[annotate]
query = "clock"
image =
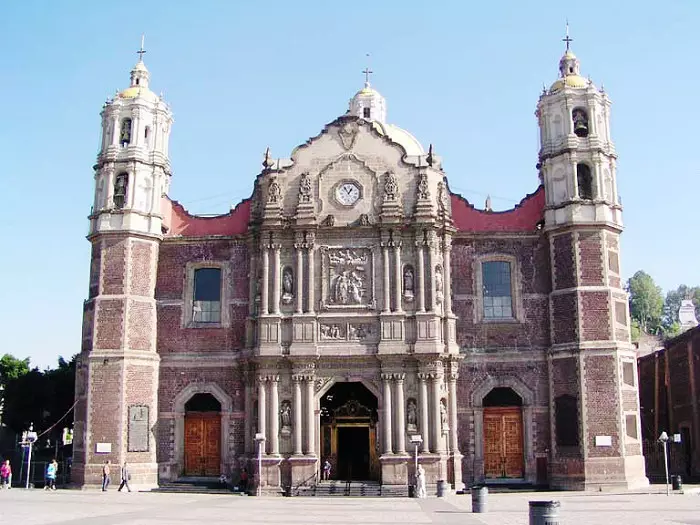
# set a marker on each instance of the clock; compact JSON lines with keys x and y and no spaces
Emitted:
{"x":347,"y":193}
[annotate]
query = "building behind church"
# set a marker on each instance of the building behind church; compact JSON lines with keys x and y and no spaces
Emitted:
{"x":354,"y":302}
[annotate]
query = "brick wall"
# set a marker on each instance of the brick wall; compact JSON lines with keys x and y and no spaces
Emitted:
{"x":564,"y":267}
{"x":590,"y":252}
{"x":564,"y":318}
{"x":110,"y":323}
{"x":140,"y":268}
{"x":602,"y":404}
{"x":595,"y":316}
{"x":114,"y":266}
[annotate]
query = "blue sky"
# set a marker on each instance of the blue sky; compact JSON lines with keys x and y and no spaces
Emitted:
{"x":242,"y":76}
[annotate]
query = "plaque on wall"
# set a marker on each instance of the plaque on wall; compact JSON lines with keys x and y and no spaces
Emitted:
{"x":138,"y":428}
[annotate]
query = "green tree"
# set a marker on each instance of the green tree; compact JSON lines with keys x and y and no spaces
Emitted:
{"x":673,"y":304}
{"x":646,"y":302}
{"x":12,"y":368}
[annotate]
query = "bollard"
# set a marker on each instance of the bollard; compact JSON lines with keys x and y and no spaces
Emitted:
{"x":479,"y":495}
{"x":544,"y":512}
{"x":677,"y":482}
{"x":443,"y":488}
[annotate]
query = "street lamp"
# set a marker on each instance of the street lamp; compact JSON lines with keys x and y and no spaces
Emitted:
{"x":260,"y":440}
{"x":663,"y":439}
{"x":416,"y":440}
{"x":28,"y":440}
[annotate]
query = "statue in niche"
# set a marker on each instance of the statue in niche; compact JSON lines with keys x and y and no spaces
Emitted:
{"x":412,"y":414}
{"x":305,"y":188}
{"x":287,"y":285}
{"x":408,"y":279}
{"x":286,"y":415}
{"x":438,"y":284}
{"x":391,"y":188}
{"x":364,"y":220}
{"x":423,"y":191}
{"x":329,"y":220}
{"x":442,"y":196}
{"x":274,"y":193}
{"x":443,"y":416}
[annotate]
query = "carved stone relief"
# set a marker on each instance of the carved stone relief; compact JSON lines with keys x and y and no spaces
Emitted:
{"x":347,"y":278}
{"x":347,"y":133}
{"x":423,"y":191}
{"x":391,"y":187}
{"x":305,"y":188}
{"x":274,"y":193}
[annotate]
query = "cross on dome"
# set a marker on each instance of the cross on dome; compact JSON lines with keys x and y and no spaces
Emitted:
{"x":567,"y":38}
{"x":141,"y":50}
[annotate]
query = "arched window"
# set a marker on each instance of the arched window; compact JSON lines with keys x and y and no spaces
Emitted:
{"x":366,"y":112}
{"x":566,"y":421}
{"x":125,"y":132}
{"x":585,"y":181}
{"x":580,"y":120}
{"x":121,"y":185}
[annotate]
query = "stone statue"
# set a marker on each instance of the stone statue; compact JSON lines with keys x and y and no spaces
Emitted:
{"x":287,"y":285}
{"x":412,"y":414}
{"x":286,"y":415}
{"x":423,"y":191}
{"x":391,"y":188}
{"x":420,"y":482}
{"x":408,"y":281}
{"x":274,"y":193}
{"x":443,"y":416}
{"x":438,"y":279}
{"x":305,"y":188}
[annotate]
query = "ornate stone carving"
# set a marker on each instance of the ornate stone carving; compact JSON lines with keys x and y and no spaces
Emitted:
{"x":274,"y":192}
{"x":329,"y":220}
{"x":364,"y":220}
{"x":332,"y":331}
{"x":423,"y":190}
{"x":305,"y":188}
{"x":391,"y":187}
{"x":286,"y":415}
{"x":359,"y":331}
{"x":347,"y":133}
{"x":287,"y":285}
{"x":443,"y":416}
{"x":442,"y":196}
{"x":411,"y":415}
{"x":347,"y":280}
{"x":408,"y":283}
{"x":438,"y":284}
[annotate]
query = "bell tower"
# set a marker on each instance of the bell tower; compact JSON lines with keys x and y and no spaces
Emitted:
{"x":594,"y":407}
{"x":117,"y":376}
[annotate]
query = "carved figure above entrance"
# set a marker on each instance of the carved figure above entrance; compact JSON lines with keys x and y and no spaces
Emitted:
{"x":347,"y":278}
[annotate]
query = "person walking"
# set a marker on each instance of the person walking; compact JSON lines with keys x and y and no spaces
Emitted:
{"x":6,"y":474}
{"x":51,"y":471}
{"x":125,"y":478}
{"x":105,"y":476}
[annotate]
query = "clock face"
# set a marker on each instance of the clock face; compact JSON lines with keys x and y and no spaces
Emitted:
{"x":347,"y":193}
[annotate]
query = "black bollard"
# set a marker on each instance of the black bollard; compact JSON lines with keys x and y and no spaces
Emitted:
{"x":479,"y":496}
{"x":544,"y":512}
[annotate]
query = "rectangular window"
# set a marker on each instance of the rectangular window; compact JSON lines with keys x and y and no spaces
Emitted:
{"x":498,"y":300}
{"x":628,"y":373}
{"x":366,"y":112}
{"x":206,"y":307}
{"x":631,"y":426}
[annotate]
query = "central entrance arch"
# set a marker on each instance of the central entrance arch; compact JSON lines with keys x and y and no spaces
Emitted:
{"x":349,"y":432}
{"x":202,"y":435}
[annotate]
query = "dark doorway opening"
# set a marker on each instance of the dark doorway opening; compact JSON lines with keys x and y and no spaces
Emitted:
{"x":353,"y":453}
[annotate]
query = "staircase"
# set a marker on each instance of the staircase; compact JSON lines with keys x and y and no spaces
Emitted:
{"x":195,"y":485}
{"x":355,"y":489}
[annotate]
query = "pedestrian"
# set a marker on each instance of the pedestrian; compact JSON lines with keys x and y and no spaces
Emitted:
{"x":244,"y":480}
{"x":6,"y":474}
{"x":326,"y":470}
{"x":51,"y":471}
{"x":105,"y":476}
{"x":125,"y":479}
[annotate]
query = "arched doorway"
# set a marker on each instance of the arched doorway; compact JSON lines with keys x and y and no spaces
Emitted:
{"x":349,"y":432}
{"x":202,"y":435}
{"x":503,"y":434}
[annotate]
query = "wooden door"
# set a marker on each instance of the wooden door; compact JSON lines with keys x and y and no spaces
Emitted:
{"x":503,"y":442}
{"x":202,"y":444}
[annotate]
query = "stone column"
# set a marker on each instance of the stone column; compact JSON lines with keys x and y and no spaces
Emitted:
{"x":299,"y":278}
{"x":109,"y":190}
{"x":452,"y":392}
{"x":274,"y":416}
{"x":420,"y":273}
{"x":117,"y":131}
{"x":424,"y":413}
{"x":447,"y":276}
{"x":386,"y":306}
{"x":437,"y":427}
{"x":432,"y":262}
{"x":400,"y":416}
{"x":265,"y":293}
{"x":262,"y":408}
{"x":399,"y":278}
{"x":310,"y":419}
{"x":386,"y":431}
{"x":312,"y":273}
{"x":276,"y":280}
{"x":297,"y":416}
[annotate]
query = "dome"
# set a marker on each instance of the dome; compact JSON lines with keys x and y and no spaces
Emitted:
{"x":400,"y":136}
{"x":572,"y":81}
{"x":138,"y":92}
{"x":569,"y":73}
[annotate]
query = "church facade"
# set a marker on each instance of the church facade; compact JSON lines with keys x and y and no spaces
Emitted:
{"x":355,"y":310}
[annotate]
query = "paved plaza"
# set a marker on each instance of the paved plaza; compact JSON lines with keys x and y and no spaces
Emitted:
{"x":36,"y":507}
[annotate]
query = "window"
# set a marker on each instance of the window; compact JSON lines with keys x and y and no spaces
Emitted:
{"x":580,"y":119}
{"x":585,"y":181}
{"x":566,"y":421}
{"x":206,"y":306}
{"x":366,"y":112}
{"x":628,"y":373}
{"x":498,"y":299}
{"x":631,"y":426}
{"x":125,"y":132}
{"x":121,"y":184}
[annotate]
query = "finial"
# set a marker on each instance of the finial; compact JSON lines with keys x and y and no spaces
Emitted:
{"x":367,"y":71}
{"x":544,"y":88}
{"x":267,"y":162}
{"x":430,"y":155}
{"x":567,"y":39}
{"x":141,"y":50}
{"x":487,"y":206}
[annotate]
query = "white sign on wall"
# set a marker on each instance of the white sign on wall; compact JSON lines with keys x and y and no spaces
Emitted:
{"x":603,"y":441}
{"x":103,"y":448}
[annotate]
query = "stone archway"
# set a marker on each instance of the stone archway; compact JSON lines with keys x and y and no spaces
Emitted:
{"x":527,"y":397}
{"x":179,"y":408}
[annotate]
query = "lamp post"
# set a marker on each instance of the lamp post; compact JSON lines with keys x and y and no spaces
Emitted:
{"x":416,"y":440}
{"x":260,"y":440}
{"x":663,"y":439}
{"x":29,"y":439}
